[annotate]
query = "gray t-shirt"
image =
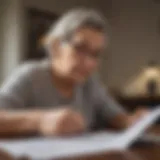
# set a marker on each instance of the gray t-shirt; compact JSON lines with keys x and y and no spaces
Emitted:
{"x":31,"y":87}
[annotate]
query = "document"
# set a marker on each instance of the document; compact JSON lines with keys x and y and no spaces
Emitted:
{"x":86,"y":144}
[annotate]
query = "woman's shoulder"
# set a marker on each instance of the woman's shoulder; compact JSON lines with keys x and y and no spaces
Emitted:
{"x":93,"y":83}
{"x":32,"y":68}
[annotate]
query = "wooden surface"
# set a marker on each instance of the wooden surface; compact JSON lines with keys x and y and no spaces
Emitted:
{"x":132,"y":103}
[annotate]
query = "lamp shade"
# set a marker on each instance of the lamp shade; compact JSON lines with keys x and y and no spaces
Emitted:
{"x":146,"y":82}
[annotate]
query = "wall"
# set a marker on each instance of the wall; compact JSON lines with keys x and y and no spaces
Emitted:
{"x":12,"y":38}
{"x":2,"y":6}
{"x":135,"y":39}
{"x":60,"y":6}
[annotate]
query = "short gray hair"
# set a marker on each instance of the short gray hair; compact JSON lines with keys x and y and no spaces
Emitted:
{"x":73,"y":20}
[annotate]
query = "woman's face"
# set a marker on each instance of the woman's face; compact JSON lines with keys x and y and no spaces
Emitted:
{"x":79,"y":58}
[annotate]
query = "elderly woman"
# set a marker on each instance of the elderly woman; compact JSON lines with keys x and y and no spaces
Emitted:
{"x":61,"y":94}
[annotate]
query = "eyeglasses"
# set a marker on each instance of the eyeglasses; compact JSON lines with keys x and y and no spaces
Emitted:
{"x":83,"y":49}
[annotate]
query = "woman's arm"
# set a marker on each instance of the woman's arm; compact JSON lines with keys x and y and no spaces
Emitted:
{"x":14,"y":123}
{"x":112,"y":112}
{"x":49,"y":122}
{"x":123,"y":121}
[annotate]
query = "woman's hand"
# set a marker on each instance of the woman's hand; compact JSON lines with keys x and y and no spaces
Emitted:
{"x":139,"y":113}
{"x":123,"y":121}
{"x":61,"y":122}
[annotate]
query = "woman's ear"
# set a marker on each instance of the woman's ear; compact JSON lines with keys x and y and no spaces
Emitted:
{"x":52,"y":46}
{"x":55,"y":47}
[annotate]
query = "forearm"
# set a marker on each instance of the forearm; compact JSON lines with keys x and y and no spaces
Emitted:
{"x":19,"y":122}
{"x":122,"y":121}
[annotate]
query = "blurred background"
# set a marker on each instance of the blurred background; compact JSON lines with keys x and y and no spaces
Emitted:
{"x":130,"y":67}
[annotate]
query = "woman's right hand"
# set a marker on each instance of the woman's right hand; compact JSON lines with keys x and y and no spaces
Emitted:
{"x":61,"y":122}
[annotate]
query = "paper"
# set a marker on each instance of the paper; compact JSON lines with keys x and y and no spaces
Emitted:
{"x":47,"y":148}
{"x":137,"y":129}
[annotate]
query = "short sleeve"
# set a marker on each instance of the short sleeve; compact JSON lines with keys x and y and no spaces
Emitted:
{"x":104,"y":102}
{"x":108,"y":106}
{"x":16,"y":91}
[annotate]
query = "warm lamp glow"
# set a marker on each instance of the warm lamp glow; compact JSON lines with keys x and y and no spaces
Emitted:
{"x":144,"y":83}
{"x":151,"y":72}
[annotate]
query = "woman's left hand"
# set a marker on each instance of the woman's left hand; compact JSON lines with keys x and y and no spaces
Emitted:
{"x":139,"y":113}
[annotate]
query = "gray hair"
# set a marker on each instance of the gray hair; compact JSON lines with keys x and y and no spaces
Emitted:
{"x":68,"y":24}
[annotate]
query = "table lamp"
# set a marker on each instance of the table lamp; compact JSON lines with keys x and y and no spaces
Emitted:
{"x":146,"y":83}
{"x":152,"y":74}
